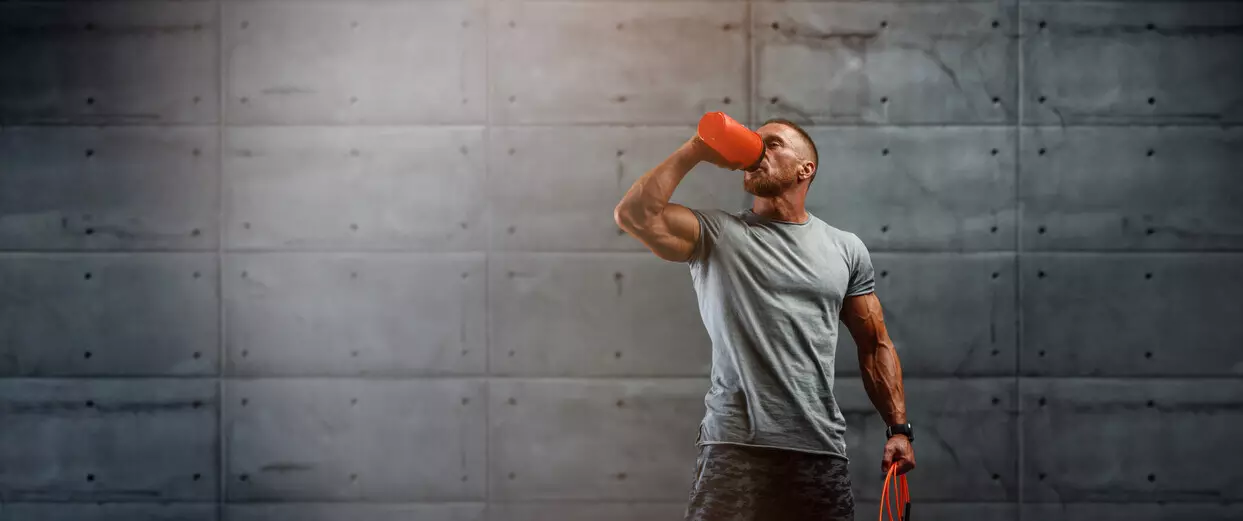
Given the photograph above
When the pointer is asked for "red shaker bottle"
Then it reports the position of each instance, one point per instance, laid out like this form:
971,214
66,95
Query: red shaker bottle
732,140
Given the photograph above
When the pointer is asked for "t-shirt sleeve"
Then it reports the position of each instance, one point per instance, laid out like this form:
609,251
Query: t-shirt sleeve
862,275
710,226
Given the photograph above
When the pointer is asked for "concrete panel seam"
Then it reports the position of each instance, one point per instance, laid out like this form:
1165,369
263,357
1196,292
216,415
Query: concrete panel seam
487,258
1018,262
221,93
749,37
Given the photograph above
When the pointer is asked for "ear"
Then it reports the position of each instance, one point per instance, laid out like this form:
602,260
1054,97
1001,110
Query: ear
805,170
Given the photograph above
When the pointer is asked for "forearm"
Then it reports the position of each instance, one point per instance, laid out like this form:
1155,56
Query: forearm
882,379
648,196
878,359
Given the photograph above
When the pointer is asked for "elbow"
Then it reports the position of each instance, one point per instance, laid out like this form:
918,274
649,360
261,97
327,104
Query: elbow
630,217
638,217
623,217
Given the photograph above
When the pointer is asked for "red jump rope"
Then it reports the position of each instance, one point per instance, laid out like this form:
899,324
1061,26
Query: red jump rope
902,497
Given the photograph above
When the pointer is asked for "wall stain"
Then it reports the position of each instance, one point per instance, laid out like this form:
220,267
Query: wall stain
97,31
287,467
1119,30
53,407
287,90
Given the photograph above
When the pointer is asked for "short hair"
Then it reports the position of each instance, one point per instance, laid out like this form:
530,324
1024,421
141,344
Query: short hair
815,154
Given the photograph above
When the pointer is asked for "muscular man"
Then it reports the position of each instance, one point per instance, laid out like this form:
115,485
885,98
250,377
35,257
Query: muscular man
773,281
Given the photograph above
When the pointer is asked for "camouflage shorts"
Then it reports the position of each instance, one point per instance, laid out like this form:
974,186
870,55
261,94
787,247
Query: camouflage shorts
737,483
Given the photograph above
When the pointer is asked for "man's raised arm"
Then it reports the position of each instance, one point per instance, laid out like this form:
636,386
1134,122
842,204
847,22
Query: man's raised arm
670,230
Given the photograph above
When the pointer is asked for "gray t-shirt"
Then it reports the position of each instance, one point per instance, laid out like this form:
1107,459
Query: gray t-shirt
770,293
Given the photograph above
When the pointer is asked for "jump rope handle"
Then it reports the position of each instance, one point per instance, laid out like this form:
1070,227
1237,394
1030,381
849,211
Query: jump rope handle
903,493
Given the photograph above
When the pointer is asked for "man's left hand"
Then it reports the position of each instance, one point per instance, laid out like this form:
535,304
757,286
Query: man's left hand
898,450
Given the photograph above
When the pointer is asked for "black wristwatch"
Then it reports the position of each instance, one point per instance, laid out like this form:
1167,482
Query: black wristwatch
904,429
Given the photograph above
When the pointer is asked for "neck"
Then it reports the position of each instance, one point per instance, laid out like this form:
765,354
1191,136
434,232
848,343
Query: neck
787,207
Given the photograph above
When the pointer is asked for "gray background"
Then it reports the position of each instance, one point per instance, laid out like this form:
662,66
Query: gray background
320,260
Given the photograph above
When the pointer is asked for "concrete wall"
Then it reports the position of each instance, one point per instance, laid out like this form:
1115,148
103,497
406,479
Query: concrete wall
321,260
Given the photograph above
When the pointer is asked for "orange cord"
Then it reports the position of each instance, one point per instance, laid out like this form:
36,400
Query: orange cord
902,491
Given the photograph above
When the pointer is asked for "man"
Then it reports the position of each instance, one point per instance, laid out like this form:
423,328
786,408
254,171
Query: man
773,282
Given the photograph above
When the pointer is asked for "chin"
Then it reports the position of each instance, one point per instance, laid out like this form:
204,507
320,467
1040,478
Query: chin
762,189
762,185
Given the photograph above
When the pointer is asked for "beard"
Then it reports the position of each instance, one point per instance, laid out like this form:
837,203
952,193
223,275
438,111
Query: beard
765,183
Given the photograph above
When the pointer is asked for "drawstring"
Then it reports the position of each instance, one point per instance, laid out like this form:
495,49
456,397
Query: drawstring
903,496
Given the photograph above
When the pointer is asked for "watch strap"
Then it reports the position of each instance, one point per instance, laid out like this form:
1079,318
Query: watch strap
902,428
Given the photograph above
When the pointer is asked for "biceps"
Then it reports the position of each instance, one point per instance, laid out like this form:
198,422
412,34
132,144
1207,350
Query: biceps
673,235
864,318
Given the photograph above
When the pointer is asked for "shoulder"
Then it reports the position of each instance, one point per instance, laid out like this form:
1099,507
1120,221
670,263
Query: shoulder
717,214
715,219
848,240
717,228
